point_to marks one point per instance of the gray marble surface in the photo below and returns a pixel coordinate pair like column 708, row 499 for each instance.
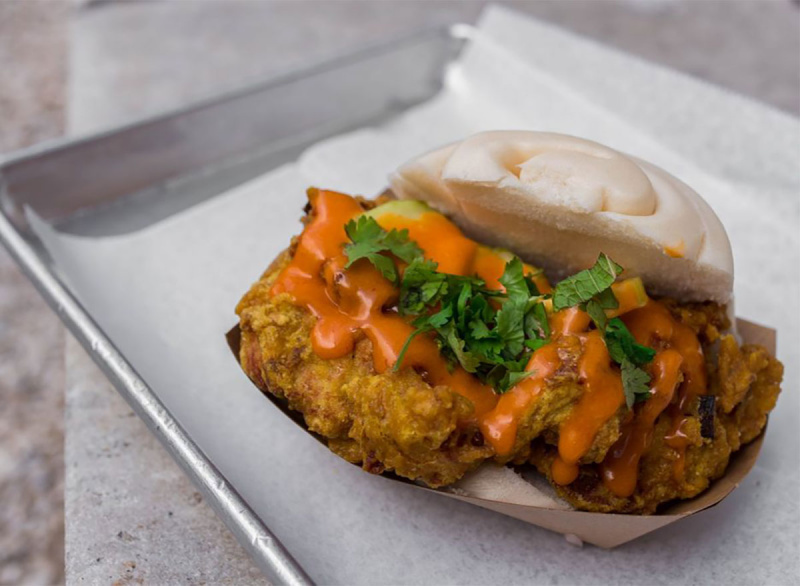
column 131, row 516
column 33, row 47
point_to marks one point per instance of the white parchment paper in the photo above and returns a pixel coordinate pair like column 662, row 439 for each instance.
column 165, row 295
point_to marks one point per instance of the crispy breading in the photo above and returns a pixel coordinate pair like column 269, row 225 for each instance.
column 746, row 384
column 396, row 421
column 388, row 421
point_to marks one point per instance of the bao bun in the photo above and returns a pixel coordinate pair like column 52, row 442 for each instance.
column 558, row 201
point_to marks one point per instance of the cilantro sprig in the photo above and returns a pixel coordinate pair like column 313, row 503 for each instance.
column 370, row 241
column 625, row 351
column 481, row 329
column 492, row 333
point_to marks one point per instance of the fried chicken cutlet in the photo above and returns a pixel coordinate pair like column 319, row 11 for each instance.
column 327, row 335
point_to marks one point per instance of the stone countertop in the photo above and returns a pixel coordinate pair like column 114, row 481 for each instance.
column 131, row 515
column 33, row 49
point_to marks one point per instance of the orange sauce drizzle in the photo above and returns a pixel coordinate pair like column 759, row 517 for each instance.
column 653, row 325
column 349, row 301
column 357, row 301
column 602, row 397
column 490, row 267
column 500, row 425
column 620, row 468
column 443, row 242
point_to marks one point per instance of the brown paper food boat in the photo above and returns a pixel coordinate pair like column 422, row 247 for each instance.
column 605, row 530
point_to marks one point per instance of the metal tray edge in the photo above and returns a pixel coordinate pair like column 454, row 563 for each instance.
column 265, row 548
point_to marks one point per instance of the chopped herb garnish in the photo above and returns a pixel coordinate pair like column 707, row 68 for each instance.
column 635, row 383
column 606, row 299
column 582, row 286
column 597, row 305
column 597, row 313
column 535, row 343
column 492, row 333
column 537, row 326
column 370, row 241
column 487, row 332
column 622, row 345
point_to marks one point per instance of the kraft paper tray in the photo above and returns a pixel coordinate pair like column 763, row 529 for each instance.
column 602, row 529
column 131, row 177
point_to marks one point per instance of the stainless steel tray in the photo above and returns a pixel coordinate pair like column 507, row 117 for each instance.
column 127, row 178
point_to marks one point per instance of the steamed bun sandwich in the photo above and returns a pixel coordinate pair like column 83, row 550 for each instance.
column 517, row 298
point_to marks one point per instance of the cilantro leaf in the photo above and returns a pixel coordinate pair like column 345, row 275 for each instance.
column 488, row 349
column 606, row 299
column 536, row 323
column 383, row 263
column 623, row 346
column 597, row 305
column 441, row 318
column 513, row 280
column 513, row 378
column 504, row 376
column 398, row 243
column 479, row 330
column 582, row 286
column 461, row 304
column 630, row 355
column 458, row 346
column 511, row 317
column 635, row 383
column 536, row 343
column 363, row 231
column 421, row 287
column 597, row 313
column 510, row 325
column 368, row 240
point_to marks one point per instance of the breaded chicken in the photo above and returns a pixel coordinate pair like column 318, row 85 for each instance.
column 388, row 419
column 391, row 421
column 745, row 383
